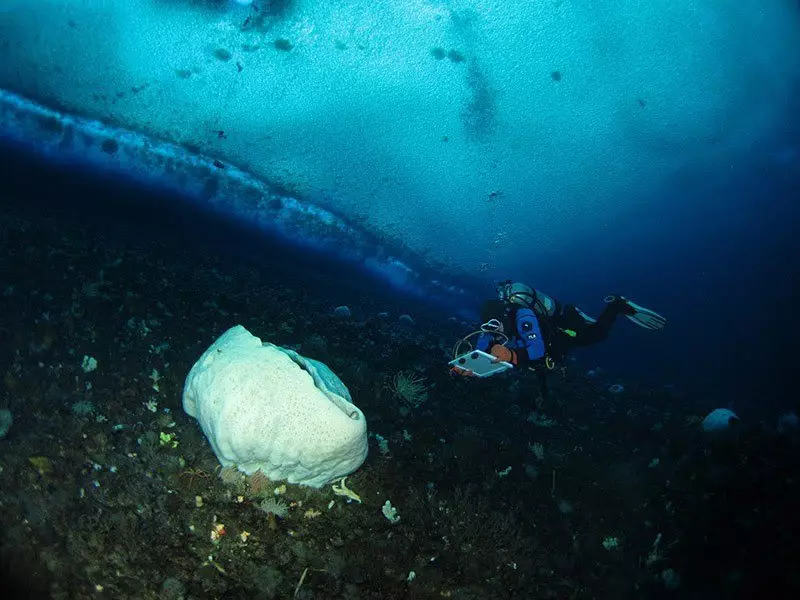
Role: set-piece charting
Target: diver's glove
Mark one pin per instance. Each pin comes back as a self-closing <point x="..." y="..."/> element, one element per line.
<point x="639" y="315"/>
<point x="501" y="353"/>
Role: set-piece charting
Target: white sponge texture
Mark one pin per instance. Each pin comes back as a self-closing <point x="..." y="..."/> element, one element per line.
<point x="266" y="408"/>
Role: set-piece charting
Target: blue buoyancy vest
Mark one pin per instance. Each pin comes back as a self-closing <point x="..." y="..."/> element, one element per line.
<point x="528" y="338"/>
<point x="529" y="334"/>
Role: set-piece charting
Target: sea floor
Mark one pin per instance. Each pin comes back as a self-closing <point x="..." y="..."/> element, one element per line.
<point x="108" y="489"/>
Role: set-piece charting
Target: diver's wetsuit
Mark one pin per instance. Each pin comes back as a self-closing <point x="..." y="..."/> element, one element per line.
<point x="556" y="327"/>
<point x="562" y="327"/>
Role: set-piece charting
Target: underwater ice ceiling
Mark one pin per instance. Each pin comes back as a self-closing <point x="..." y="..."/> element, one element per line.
<point x="455" y="128"/>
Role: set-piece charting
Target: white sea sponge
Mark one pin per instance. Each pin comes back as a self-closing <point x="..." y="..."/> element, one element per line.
<point x="266" y="408"/>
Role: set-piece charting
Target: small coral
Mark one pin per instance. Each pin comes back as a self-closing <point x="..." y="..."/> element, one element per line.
<point x="83" y="408"/>
<point x="276" y="507"/>
<point x="410" y="388"/>
<point x="259" y="483"/>
<point x="232" y="478"/>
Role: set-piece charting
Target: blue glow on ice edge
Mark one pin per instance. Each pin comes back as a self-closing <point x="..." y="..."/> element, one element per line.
<point x="212" y="184"/>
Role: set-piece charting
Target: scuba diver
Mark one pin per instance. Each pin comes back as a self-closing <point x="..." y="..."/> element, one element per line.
<point x="524" y="328"/>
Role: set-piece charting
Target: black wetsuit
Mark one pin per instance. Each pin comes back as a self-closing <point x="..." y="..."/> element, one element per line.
<point x="567" y="318"/>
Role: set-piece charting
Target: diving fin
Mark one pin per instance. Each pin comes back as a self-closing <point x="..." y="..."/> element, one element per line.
<point x="644" y="317"/>
<point x="639" y="315"/>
